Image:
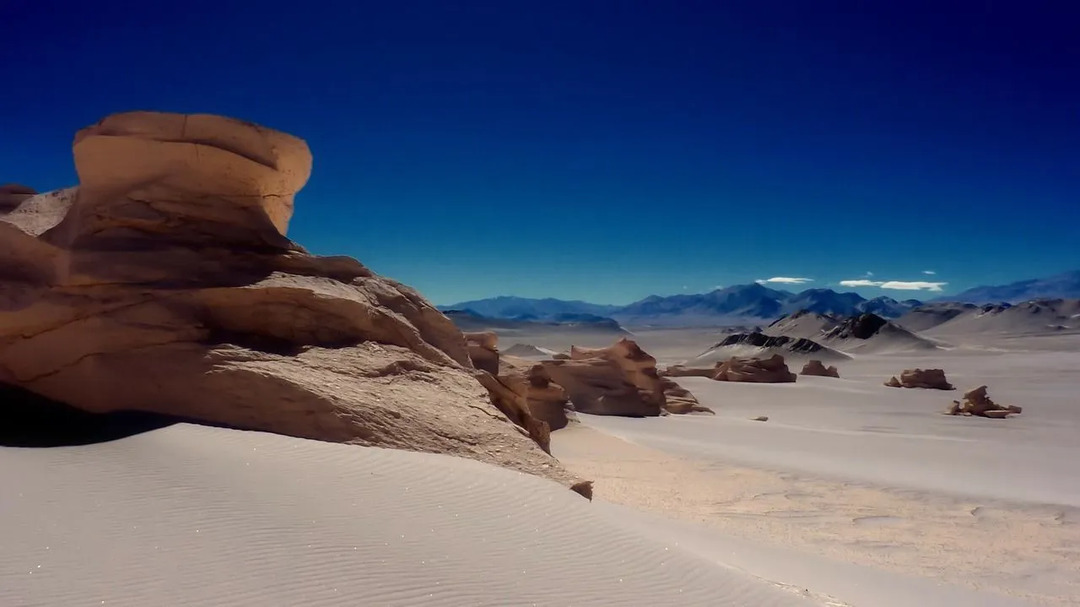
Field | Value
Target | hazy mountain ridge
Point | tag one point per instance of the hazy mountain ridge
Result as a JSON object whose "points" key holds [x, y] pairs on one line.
{"points": [[1060, 286], [740, 304]]}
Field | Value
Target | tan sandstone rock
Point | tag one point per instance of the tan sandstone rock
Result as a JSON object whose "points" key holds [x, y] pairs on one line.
{"points": [[618, 380], [165, 283], [977, 402], [933, 379], [683, 371], [771, 370], [546, 400], [484, 350], [816, 367]]}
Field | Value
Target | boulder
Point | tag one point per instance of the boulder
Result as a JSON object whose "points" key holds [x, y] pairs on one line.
{"points": [[977, 402], [933, 379], [756, 370], [484, 350], [816, 367], [165, 283], [679, 400]]}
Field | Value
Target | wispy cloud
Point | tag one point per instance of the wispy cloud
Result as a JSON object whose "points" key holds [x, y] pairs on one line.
{"points": [[784, 280], [869, 274], [899, 285], [929, 272]]}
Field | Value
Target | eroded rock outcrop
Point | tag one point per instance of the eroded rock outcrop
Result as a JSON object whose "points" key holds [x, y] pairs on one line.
{"points": [[484, 350], [685, 371], [818, 368], [545, 399], [933, 379], [977, 402], [164, 282], [771, 370], [618, 380]]}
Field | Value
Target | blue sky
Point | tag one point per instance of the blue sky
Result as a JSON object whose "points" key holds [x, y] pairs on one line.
{"points": [[607, 150]]}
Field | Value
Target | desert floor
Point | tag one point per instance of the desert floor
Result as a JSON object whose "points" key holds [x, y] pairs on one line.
{"points": [[851, 494]]}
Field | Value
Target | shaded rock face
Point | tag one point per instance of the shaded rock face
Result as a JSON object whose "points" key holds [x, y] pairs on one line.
{"points": [[816, 367], [760, 340], [12, 195], [921, 378], [978, 403], [756, 370], [484, 350], [863, 326], [165, 283], [545, 399]]}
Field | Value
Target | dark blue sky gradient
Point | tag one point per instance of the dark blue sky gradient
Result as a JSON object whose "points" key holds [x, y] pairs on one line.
{"points": [[606, 150]]}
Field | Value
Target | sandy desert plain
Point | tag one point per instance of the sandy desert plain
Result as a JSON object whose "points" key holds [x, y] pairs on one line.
{"points": [[850, 494]]}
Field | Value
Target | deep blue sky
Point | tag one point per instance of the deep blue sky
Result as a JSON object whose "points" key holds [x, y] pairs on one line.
{"points": [[606, 150]]}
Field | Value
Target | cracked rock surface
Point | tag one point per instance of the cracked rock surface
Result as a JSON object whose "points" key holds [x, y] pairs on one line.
{"points": [[164, 282]]}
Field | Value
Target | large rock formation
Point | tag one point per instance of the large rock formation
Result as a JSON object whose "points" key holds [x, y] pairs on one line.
{"points": [[685, 371], [545, 399], [933, 379], [755, 370], [484, 350], [618, 380], [978, 402], [164, 282], [816, 367]]}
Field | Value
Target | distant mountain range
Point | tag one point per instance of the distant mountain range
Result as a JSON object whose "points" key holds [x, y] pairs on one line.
{"points": [[748, 304], [1061, 286], [741, 304]]}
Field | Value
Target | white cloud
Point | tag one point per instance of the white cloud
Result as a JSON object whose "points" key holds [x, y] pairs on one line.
{"points": [[784, 280], [929, 272], [899, 285], [869, 273], [916, 285]]}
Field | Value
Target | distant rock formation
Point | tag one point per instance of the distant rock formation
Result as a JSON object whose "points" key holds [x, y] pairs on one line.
{"points": [[816, 367], [870, 332], [165, 283], [12, 195], [977, 402], [771, 370], [933, 379], [619, 380], [545, 399], [759, 345], [484, 350]]}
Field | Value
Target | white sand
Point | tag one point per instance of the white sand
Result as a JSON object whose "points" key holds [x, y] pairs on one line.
{"points": [[853, 472], [190, 515]]}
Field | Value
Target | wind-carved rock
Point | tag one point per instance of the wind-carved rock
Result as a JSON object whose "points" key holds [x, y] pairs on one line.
{"points": [[978, 403], [818, 368], [932, 379], [770, 370], [164, 282]]}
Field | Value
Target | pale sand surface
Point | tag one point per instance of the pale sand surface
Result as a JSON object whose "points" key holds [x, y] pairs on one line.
{"points": [[190, 515], [854, 472]]}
